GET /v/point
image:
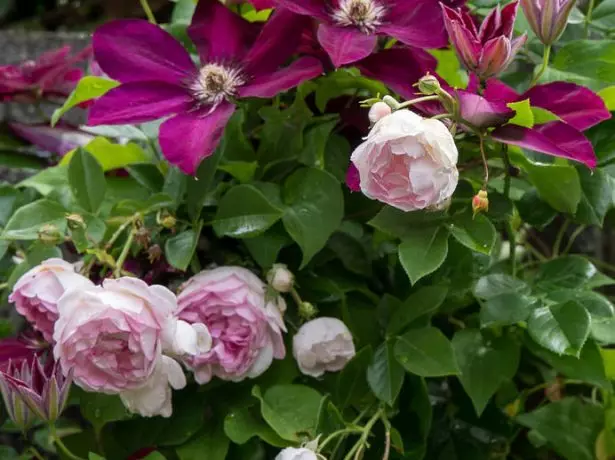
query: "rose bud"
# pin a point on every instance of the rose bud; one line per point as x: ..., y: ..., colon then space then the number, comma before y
x: 37, y: 292
x: 408, y: 162
x: 486, y: 51
x: 547, y: 18
x: 293, y: 453
x: 429, y: 84
x: 480, y: 202
x: 379, y: 110
x: 246, y: 326
x: 323, y: 345
x: 280, y: 278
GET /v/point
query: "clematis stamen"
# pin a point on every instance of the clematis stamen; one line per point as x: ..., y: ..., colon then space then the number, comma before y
x: 216, y: 83
x: 365, y: 14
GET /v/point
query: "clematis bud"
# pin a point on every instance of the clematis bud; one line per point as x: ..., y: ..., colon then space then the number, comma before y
x: 429, y: 85
x: 280, y: 278
x: 547, y: 18
x: 480, y: 202
x: 486, y: 51
x: 323, y: 345
x: 17, y: 409
x: 379, y: 110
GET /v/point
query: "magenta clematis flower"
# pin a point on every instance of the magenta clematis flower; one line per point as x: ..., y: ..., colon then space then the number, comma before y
x: 488, y: 50
x: 547, y: 18
x: 43, y: 389
x: 53, y: 74
x: 159, y: 79
x: 59, y: 139
x: 349, y: 29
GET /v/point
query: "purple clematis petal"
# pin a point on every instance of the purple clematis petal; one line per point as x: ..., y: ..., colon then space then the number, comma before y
x: 276, y: 43
x: 138, y: 102
x: 481, y: 112
x: 554, y: 138
x: 576, y: 105
x: 417, y: 23
x: 187, y: 138
x: 218, y: 33
x: 282, y: 80
x: 147, y: 52
x: 353, y: 180
x: 345, y: 45
x: 59, y: 139
x: 384, y: 66
x: 314, y: 8
x: 495, y: 54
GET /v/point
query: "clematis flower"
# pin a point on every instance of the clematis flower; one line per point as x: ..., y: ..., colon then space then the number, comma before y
x: 59, y: 139
x: 44, y: 389
x: 488, y: 50
x: 159, y: 79
x: 53, y: 74
x: 16, y: 350
x: 17, y: 409
x: 547, y: 18
x: 349, y: 29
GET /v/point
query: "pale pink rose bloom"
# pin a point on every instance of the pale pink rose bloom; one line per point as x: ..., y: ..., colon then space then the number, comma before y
x: 246, y: 328
x: 37, y: 292
x: 378, y: 111
x: 113, y: 338
x: 322, y: 345
x: 408, y: 162
x: 293, y: 453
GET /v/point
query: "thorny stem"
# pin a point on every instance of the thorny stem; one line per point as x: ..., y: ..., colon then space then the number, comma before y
x: 559, y: 238
x: 544, y: 65
x: 588, y: 16
x: 58, y: 442
x: 148, y: 11
x: 119, y: 231
x: 122, y: 258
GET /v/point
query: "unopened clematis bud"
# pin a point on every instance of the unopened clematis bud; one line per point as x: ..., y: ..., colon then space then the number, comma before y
x: 17, y: 409
x: 379, y: 110
x: 480, y: 202
x: 280, y: 278
x: 547, y: 18
x: 488, y: 50
x: 429, y: 85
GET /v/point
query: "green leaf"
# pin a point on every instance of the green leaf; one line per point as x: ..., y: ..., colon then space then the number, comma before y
x: 155, y: 456
x: 93, y: 456
x: 352, y: 252
x: 183, y: 11
x: 608, y: 94
x: 147, y: 175
x: 588, y: 367
x: 91, y: 235
x: 542, y: 116
x: 245, y: 212
x: 243, y: 171
x: 200, y: 186
x: 571, y: 426
x: 384, y: 374
x: 591, y: 59
x: 426, y: 352
x: 48, y: 180
x: 558, y: 185
x: 315, y: 141
x: 597, y: 305
x: 87, y: 180
x: 344, y: 81
x: 564, y: 272
x: 266, y: 247
x: 505, y: 309
x: 175, y: 185
x: 291, y: 410
x: 494, y: 285
x: 422, y: 251
x: 398, y: 223
x: 561, y: 328
x: 88, y: 88
x: 523, y: 113
x: 597, y: 196
x: 180, y: 248
x: 449, y: 68
x: 210, y: 444
x: 26, y: 222
x: 476, y: 233
x: 100, y: 409
x: 352, y: 385
x: 8, y: 198
x: 422, y: 302
x: 484, y: 364
x: 241, y: 425
x: 111, y: 156
x: 315, y: 209
x: 534, y: 210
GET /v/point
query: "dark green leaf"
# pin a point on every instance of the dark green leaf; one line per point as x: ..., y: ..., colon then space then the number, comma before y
x: 8, y: 198
x: 535, y: 211
x: 588, y: 58
x: 244, y: 212
x: 266, y: 247
x: 494, y: 285
x: 180, y: 248
x: 424, y: 301
x: 571, y: 426
x: 558, y: 185
x: 241, y: 425
x: 561, y: 328
x: 484, y: 364
x: 351, y: 382
x: 87, y: 180
x: 175, y: 184
x: 28, y: 220
x: 565, y: 272
x: 426, y: 352
x: 505, y: 309
x: 147, y: 175
x: 351, y: 252
x: 476, y: 233
x: 597, y: 196
x: 422, y: 251
x: 597, y: 305
x: 100, y: 409
x: 210, y: 444
x: 398, y: 223
x: 384, y: 375
x: 315, y: 141
x: 315, y: 209
x: 200, y: 186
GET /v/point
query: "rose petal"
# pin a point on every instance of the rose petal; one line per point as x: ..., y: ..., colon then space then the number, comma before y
x: 345, y: 45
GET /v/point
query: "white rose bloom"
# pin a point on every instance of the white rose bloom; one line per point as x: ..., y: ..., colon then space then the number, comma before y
x: 292, y: 453
x: 378, y: 110
x: 323, y: 345
x: 408, y: 162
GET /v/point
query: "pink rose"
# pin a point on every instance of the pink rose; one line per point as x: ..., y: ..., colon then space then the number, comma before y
x: 113, y: 338
x: 408, y: 162
x: 246, y: 328
x: 37, y: 292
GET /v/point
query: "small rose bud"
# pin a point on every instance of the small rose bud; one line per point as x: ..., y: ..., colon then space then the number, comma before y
x: 154, y: 253
x: 379, y: 110
x: 391, y: 102
x: 75, y: 221
x: 480, y: 202
x: 167, y: 220
x: 280, y: 278
x: 429, y: 85
x: 142, y: 236
x: 307, y: 310
x: 49, y: 234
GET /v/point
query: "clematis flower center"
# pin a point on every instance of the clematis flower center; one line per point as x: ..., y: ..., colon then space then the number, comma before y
x: 216, y: 83
x: 364, y: 14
